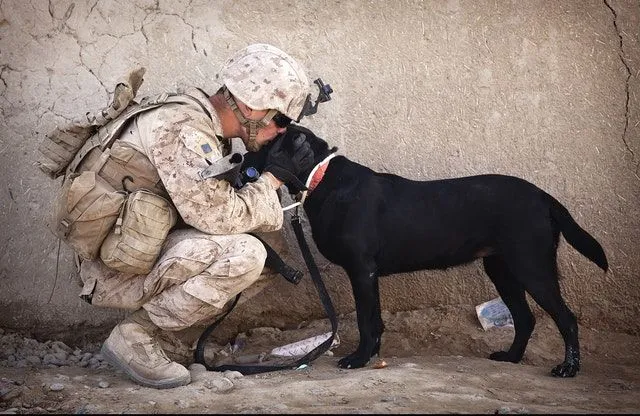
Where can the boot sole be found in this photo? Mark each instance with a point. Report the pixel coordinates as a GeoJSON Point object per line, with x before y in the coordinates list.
{"type": "Point", "coordinates": [113, 359]}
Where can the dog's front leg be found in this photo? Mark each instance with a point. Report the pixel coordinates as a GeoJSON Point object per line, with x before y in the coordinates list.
{"type": "Point", "coordinates": [365, 294]}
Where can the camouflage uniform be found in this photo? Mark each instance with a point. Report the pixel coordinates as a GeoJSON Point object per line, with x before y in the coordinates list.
{"type": "Point", "coordinates": [200, 268]}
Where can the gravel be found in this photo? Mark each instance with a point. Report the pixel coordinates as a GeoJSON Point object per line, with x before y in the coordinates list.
{"type": "Point", "coordinates": [19, 351]}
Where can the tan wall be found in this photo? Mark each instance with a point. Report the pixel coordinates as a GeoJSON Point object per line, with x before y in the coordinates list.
{"type": "Point", "coordinates": [545, 90]}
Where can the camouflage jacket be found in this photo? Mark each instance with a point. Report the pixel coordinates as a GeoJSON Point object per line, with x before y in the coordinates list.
{"type": "Point", "coordinates": [174, 137]}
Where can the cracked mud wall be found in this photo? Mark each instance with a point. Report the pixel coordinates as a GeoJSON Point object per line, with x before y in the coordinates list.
{"type": "Point", "coordinates": [548, 91]}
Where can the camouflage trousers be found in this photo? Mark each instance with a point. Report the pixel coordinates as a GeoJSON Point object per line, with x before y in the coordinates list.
{"type": "Point", "coordinates": [195, 277]}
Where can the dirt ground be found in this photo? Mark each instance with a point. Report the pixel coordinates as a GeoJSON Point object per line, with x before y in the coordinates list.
{"type": "Point", "coordinates": [435, 364]}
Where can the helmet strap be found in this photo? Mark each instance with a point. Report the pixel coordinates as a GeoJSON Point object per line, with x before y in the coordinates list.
{"type": "Point", "coordinates": [252, 126]}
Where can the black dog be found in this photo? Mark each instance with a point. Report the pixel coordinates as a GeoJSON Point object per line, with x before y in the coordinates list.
{"type": "Point", "coordinates": [375, 224]}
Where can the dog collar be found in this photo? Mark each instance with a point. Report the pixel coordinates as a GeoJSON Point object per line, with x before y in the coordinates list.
{"type": "Point", "coordinates": [317, 173]}
{"type": "Point", "coordinates": [313, 180]}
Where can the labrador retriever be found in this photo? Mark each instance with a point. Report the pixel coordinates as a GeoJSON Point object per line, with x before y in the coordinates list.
{"type": "Point", "coordinates": [375, 224]}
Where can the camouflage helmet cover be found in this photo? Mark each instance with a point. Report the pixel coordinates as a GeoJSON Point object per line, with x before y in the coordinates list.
{"type": "Point", "coordinates": [265, 78]}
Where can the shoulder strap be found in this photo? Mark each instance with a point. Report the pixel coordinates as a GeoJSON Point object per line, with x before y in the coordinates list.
{"type": "Point", "coordinates": [105, 136]}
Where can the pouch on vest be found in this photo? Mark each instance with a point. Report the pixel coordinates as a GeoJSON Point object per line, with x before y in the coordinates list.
{"type": "Point", "coordinates": [84, 213]}
{"type": "Point", "coordinates": [124, 168]}
{"type": "Point", "coordinates": [134, 244]}
{"type": "Point", "coordinates": [60, 146]}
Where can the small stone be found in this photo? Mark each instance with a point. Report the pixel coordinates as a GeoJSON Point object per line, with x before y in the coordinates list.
{"type": "Point", "coordinates": [61, 356]}
{"type": "Point", "coordinates": [33, 360]}
{"type": "Point", "coordinates": [151, 402]}
{"type": "Point", "coordinates": [103, 384]}
{"type": "Point", "coordinates": [48, 359]}
{"type": "Point", "coordinates": [10, 394]}
{"type": "Point", "coordinates": [56, 387]}
{"type": "Point", "coordinates": [60, 346]}
{"type": "Point", "coordinates": [219, 385]}
{"type": "Point", "coordinates": [7, 351]}
{"type": "Point", "coordinates": [233, 375]}
{"type": "Point", "coordinates": [197, 368]}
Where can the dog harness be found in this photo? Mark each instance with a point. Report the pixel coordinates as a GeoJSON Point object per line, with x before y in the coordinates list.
{"type": "Point", "coordinates": [313, 180]}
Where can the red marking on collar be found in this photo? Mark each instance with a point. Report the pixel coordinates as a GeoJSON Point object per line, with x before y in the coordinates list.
{"type": "Point", "coordinates": [317, 176]}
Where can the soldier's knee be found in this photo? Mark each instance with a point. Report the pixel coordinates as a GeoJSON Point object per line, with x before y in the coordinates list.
{"type": "Point", "coordinates": [255, 253]}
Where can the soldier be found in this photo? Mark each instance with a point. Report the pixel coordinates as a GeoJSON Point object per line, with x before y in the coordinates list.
{"type": "Point", "coordinates": [205, 265]}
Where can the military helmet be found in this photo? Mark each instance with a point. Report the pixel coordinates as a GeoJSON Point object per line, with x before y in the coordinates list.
{"type": "Point", "coordinates": [266, 78]}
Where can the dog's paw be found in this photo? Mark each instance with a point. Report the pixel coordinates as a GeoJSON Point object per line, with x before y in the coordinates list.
{"type": "Point", "coordinates": [565, 370]}
{"type": "Point", "coordinates": [353, 361]}
{"type": "Point", "coordinates": [502, 356]}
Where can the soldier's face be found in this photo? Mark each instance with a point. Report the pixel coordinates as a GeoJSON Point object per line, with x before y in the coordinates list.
{"type": "Point", "coordinates": [265, 134]}
{"type": "Point", "coordinates": [268, 133]}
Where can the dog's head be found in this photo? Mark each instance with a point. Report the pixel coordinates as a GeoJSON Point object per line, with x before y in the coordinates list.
{"type": "Point", "coordinates": [320, 150]}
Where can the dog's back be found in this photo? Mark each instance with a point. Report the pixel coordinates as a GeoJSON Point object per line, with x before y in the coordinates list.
{"type": "Point", "coordinates": [415, 225]}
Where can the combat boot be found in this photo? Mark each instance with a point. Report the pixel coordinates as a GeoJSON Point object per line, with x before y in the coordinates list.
{"type": "Point", "coordinates": [132, 348]}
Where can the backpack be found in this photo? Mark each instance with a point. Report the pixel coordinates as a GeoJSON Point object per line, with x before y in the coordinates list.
{"type": "Point", "coordinates": [111, 192]}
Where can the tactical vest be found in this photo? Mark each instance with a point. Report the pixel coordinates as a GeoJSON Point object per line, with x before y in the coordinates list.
{"type": "Point", "coordinates": [112, 203]}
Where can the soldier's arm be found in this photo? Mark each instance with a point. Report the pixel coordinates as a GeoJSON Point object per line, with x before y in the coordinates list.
{"type": "Point", "coordinates": [211, 205]}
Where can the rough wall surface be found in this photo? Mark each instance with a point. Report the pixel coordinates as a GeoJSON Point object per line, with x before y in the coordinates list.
{"type": "Point", "coordinates": [545, 90]}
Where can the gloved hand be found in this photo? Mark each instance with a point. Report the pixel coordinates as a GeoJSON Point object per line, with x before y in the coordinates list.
{"type": "Point", "coordinates": [286, 164]}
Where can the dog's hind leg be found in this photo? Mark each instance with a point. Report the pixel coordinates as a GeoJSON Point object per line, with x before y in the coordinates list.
{"type": "Point", "coordinates": [547, 294]}
{"type": "Point", "coordinates": [536, 269]}
{"type": "Point", "coordinates": [365, 287]}
{"type": "Point", "coordinates": [513, 295]}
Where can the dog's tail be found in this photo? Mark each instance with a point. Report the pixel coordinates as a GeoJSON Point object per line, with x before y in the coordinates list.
{"type": "Point", "coordinates": [576, 235]}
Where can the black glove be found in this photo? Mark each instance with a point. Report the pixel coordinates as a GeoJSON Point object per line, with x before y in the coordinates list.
{"type": "Point", "coordinates": [289, 158]}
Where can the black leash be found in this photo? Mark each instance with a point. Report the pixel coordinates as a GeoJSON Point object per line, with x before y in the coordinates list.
{"type": "Point", "coordinates": [293, 276]}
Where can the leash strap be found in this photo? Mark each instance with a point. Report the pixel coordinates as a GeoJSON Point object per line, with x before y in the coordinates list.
{"type": "Point", "coordinates": [324, 298]}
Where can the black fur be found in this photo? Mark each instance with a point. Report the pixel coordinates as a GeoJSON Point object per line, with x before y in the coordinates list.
{"type": "Point", "coordinates": [375, 224]}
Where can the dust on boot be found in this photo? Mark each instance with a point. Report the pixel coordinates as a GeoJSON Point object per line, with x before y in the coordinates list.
{"type": "Point", "coordinates": [133, 348]}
